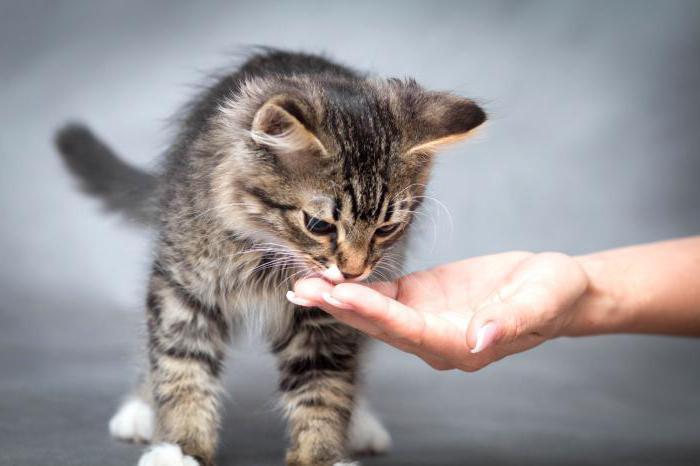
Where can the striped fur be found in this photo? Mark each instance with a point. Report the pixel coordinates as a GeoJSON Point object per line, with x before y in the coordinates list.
{"type": "Point", "coordinates": [318, 363]}
{"type": "Point", "coordinates": [286, 138]}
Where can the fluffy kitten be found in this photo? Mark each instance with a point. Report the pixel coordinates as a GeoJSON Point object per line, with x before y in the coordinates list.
{"type": "Point", "coordinates": [291, 165]}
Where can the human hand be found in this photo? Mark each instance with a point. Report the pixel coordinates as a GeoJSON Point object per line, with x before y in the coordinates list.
{"type": "Point", "coordinates": [464, 315]}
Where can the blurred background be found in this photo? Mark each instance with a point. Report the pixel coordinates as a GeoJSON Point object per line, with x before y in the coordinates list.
{"type": "Point", "coordinates": [594, 143]}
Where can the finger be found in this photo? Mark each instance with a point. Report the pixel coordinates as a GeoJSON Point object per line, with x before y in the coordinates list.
{"type": "Point", "coordinates": [406, 328]}
{"type": "Point", "coordinates": [436, 363]}
{"type": "Point", "coordinates": [525, 314]}
{"type": "Point", "coordinates": [388, 289]}
{"type": "Point", "coordinates": [396, 319]}
{"type": "Point", "coordinates": [432, 339]}
{"type": "Point", "coordinates": [352, 319]}
{"type": "Point", "coordinates": [312, 289]}
{"type": "Point", "coordinates": [309, 292]}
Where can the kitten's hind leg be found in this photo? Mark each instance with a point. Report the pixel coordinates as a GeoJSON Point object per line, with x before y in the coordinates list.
{"type": "Point", "coordinates": [366, 434]}
{"type": "Point", "coordinates": [134, 421]}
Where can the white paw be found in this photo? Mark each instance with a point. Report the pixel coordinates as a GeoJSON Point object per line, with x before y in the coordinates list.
{"type": "Point", "coordinates": [366, 434]}
{"type": "Point", "coordinates": [133, 422]}
{"type": "Point", "coordinates": [354, 463]}
{"type": "Point", "coordinates": [166, 454]}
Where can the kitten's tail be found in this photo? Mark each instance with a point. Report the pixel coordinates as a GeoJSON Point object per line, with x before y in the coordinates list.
{"type": "Point", "coordinates": [121, 187]}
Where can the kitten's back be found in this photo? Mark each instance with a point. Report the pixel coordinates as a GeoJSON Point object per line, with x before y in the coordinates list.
{"type": "Point", "coordinates": [132, 192]}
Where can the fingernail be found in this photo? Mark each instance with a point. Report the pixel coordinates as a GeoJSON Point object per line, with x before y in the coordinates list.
{"type": "Point", "coordinates": [484, 337]}
{"type": "Point", "coordinates": [334, 302]}
{"type": "Point", "coordinates": [294, 299]}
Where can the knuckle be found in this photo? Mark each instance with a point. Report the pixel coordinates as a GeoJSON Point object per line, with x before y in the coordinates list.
{"type": "Point", "coordinates": [517, 327]}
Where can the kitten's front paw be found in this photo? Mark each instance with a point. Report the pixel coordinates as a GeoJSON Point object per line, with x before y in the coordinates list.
{"type": "Point", "coordinates": [313, 457]}
{"type": "Point", "coordinates": [166, 454]}
{"type": "Point", "coordinates": [133, 422]}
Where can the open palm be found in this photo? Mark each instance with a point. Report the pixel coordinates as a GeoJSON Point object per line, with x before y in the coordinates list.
{"type": "Point", "coordinates": [436, 314]}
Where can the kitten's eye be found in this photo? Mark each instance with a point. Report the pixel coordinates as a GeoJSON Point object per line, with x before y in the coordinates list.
{"type": "Point", "coordinates": [386, 230]}
{"type": "Point", "coordinates": [318, 226]}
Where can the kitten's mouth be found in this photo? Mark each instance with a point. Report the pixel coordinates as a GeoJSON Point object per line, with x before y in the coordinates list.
{"type": "Point", "coordinates": [334, 275]}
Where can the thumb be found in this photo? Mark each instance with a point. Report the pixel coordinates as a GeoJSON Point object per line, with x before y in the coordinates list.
{"type": "Point", "coordinates": [541, 289]}
{"type": "Point", "coordinates": [497, 323]}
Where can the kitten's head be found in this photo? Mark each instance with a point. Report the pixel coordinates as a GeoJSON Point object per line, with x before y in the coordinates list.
{"type": "Point", "coordinates": [333, 170]}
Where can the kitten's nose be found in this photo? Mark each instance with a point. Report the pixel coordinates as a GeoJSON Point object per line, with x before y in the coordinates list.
{"type": "Point", "coordinates": [350, 276]}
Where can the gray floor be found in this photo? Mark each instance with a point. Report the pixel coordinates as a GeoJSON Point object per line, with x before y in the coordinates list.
{"type": "Point", "coordinates": [593, 143]}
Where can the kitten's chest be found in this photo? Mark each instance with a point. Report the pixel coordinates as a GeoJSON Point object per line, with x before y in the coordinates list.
{"type": "Point", "coordinates": [247, 281]}
{"type": "Point", "coordinates": [250, 287]}
{"type": "Point", "coordinates": [258, 310]}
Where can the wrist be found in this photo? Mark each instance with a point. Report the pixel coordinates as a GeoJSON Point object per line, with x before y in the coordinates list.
{"type": "Point", "coordinates": [651, 288]}
{"type": "Point", "coordinates": [601, 308]}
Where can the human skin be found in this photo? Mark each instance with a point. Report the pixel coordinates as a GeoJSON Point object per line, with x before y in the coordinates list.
{"type": "Point", "coordinates": [467, 314]}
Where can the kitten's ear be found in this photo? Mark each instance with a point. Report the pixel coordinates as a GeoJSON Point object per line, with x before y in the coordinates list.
{"type": "Point", "coordinates": [438, 118]}
{"type": "Point", "coordinates": [283, 126]}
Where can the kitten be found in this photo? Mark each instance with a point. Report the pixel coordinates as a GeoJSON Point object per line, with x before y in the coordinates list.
{"type": "Point", "coordinates": [293, 165]}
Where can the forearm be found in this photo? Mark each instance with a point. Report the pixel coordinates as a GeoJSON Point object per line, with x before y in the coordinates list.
{"type": "Point", "coordinates": [651, 288]}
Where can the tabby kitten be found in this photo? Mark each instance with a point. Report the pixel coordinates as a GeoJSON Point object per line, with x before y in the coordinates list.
{"type": "Point", "coordinates": [291, 166]}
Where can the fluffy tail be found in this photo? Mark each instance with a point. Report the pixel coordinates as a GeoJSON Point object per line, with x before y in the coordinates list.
{"type": "Point", "coordinates": [121, 187]}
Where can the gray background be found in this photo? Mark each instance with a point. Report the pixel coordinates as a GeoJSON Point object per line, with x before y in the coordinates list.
{"type": "Point", "coordinates": [594, 143]}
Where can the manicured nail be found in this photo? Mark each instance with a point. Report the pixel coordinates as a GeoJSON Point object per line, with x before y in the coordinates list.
{"type": "Point", "coordinates": [334, 302]}
{"type": "Point", "coordinates": [484, 337]}
{"type": "Point", "coordinates": [294, 299]}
